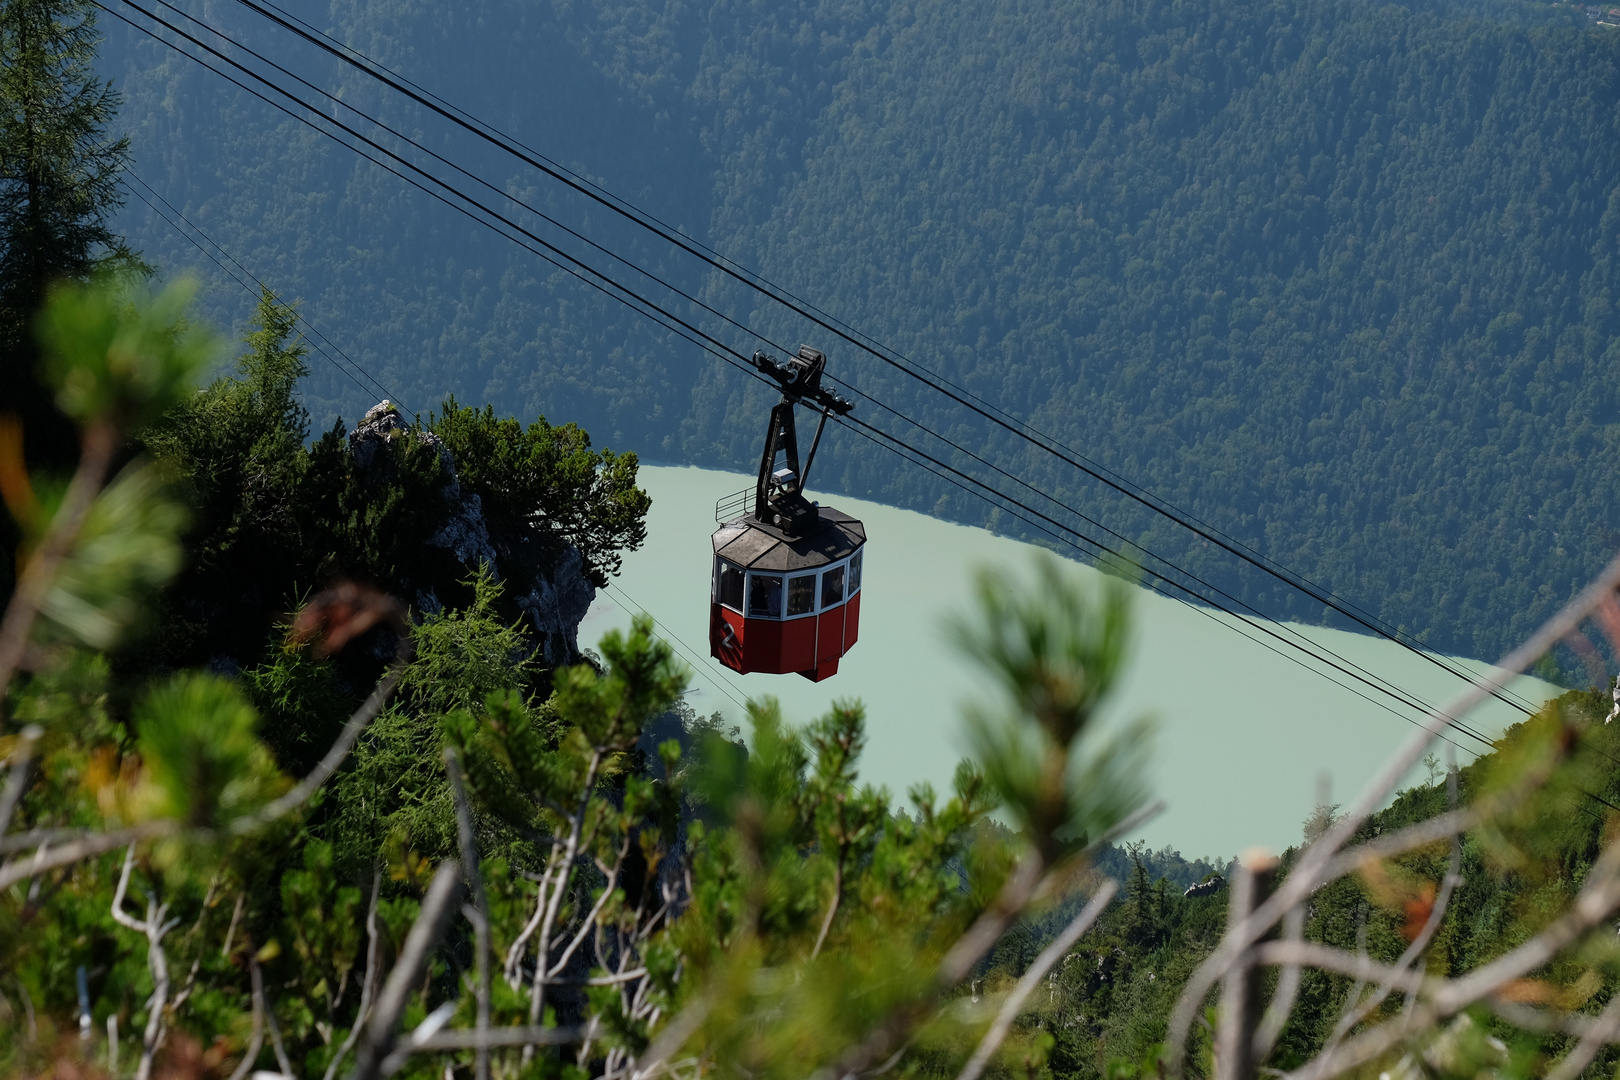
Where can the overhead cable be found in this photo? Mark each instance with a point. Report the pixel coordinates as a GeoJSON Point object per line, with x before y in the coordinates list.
{"type": "Point", "coordinates": [207, 250]}
{"type": "Point", "coordinates": [637, 302]}
{"type": "Point", "coordinates": [757, 282]}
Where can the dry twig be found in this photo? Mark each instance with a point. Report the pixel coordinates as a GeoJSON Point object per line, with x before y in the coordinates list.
{"type": "Point", "coordinates": [1032, 978]}
{"type": "Point", "coordinates": [1309, 873]}
{"type": "Point", "coordinates": [437, 907]}
{"type": "Point", "coordinates": [98, 443]}
{"type": "Point", "coordinates": [367, 984]}
{"type": "Point", "coordinates": [478, 913]}
{"type": "Point", "coordinates": [154, 927]}
{"type": "Point", "coordinates": [256, 1042]}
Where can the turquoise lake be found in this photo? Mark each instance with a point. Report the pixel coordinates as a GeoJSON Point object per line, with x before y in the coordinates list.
{"type": "Point", "coordinates": [1244, 735]}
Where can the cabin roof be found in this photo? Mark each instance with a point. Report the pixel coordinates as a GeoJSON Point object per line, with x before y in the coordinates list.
{"type": "Point", "coordinates": [755, 545]}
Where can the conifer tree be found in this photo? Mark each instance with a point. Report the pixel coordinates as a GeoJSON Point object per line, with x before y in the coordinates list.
{"type": "Point", "coordinates": [59, 171]}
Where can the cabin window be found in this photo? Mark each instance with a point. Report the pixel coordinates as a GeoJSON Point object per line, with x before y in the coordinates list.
{"type": "Point", "coordinates": [765, 596]}
{"type": "Point", "coordinates": [729, 587]}
{"type": "Point", "coordinates": [832, 587]}
{"type": "Point", "coordinates": [801, 595]}
{"type": "Point", "coordinates": [855, 573]}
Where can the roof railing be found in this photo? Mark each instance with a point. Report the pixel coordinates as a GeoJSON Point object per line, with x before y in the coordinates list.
{"type": "Point", "coordinates": [733, 505]}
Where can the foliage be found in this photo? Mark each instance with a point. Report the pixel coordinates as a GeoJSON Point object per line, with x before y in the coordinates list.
{"type": "Point", "coordinates": [167, 839]}
{"type": "Point", "coordinates": [274, 517]}
{"type": "Point", "coordinates": [199, 751]}
{"type": "Point", "coordinates": [549, 479]}
{"type": "Point", "coordinates": [395, 792]}
{"type": "Point", "coordinates": [743, 912]}
{"type": "Point", "coordinates": [117, 362]}
{"type": "Point", "coordinates": [127, 550]}
{"type": "Point", "coordinates": [59, 169]}
{"type": "Point", "coordinates": [1055, 656]}
{"type": "Point", "coordinates": [733, 911]}
{"type": "Point", "coordinates": [194, 759]}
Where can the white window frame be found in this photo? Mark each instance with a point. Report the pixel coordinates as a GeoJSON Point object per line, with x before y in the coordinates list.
{"type": "Point", "coordinates": [787, 576]}
{"type": "Point", "coordinates": [815, 595]}
{"type": "Point", "coordinates": [781, 603]}
{"type": "Point", "coordinates": [720, 562]}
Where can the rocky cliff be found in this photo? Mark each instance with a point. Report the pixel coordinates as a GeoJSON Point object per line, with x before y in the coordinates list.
{"type": "Point", "coordinates": [544, 578]}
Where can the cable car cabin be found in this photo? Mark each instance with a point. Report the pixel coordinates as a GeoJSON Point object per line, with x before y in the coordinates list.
{"type": "Point", "coordinates": [784, 603]}
{"type": "Point", "coordinates": [785, 587]}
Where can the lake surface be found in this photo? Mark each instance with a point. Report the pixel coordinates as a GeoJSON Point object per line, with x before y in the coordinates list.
{"type": "Point", "coordinates": [1244, 734]}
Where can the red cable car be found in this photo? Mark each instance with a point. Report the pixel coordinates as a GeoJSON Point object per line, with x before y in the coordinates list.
{"type": "Point", "coordinates": [785, 593]}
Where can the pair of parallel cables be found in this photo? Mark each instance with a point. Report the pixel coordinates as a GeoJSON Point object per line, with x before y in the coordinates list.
{"type": "Point", "coordinates": [1058, 530]}
{"type": "Point", "coordinates": [190, 231]}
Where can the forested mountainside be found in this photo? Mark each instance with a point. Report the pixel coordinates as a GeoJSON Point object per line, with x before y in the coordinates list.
{"type": "Point", "coordinates": [1338, 278]}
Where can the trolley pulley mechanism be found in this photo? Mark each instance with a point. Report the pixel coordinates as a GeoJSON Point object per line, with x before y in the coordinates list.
{"type": "Point", "coordinates": [779, 493]}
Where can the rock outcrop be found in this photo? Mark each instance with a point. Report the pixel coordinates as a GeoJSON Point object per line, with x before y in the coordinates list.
{"type": "Point", "coordinates": [543, 576]}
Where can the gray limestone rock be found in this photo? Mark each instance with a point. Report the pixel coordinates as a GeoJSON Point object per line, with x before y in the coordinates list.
{"type": "Point", "coordinates": [545, 578]}
{"type": "Point", "coordinates": [556, 605]}
{"type": "Point", "coordinates": [465, 532]}
{"type": "Point", "coordinates": [372, 434]}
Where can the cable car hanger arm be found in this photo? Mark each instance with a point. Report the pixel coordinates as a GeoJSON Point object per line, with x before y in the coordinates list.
{"type": "Point", "coordinates": [800, 379]}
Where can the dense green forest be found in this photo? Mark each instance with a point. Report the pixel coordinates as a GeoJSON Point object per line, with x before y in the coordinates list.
{"type": "Point", "coordinates": [1336, 277]}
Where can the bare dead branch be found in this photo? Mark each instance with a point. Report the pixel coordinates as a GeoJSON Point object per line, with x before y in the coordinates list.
{"type": "Point", "coordinates": [1282, 1002]}
{"type": "Point", "coordinates": [437, 908]}
{"type": "Point", "coordinates": [367, 984]}
{"type": "Point", "coordinates": [328, 764]}
{"type": "Point", "coordinates": [22, 760]}
{"type": "Point", "coordinates": [1596, 901]}
{"type": "Point", "coordinates": [188, 986]}
{"type": "Point", "coordinates": [1422, 834]}
{"type": "Point", "coordinates": [46, 859]}
{"type": "Point", "coordinates": [1596, 670]}
{"type": "Point", "coordinates": [480, 906]}
{"type": "Point", "coordinates": [1338, 961]}
{"type": "Point", "coordinates": [100, 843]}
{"type": "Point", "coordinates": [34, 838]}
{"type": "Point", "coordinates": [558, 884]}
{"type": "Point", "coordinates": [672, 1037]}
{"type": "Point", "coordinates": [154, 927]}
{"type": "Point", "coordinates": [236, 918]}
{"type": "Point", "coordinates": [1602, 1031]}
{"type": "Point", "coordinates": [589, 922]}
{"type": "Point", "coordinates": [1307, 873]}
{"type": "Point", "coordinates": [514, 955]}
{"type": "Point", "coordinates": [1037, 971]}
{"type": "Point", "coordinates": [1448, 885]}
{"type": "Point", "coordinates": [1253, 879]}
{"type": "Point", "coordinates": [837, 898]}
{"type": "Point", "coordinates": [256, 1042]}
{"type": "Point", "coordinates": [1542, 1020]}
{"type": "Point", "coordinates": [988, 927]}
{"type": "Point", "coordinates": [98, 442]}
{"type": "Point", "coordinates": [465, 1039]}
{"type": "Point", "coordinates": [95, 844]}
{"type": "Point", "coordinates": [1356, 1012]}
{"type": "Point", "coordinates": [1024, 885]}
{"type": "Point", "coordinates": [602, 980]}
{"type": "Point", "coordinates": [275, 1028]}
